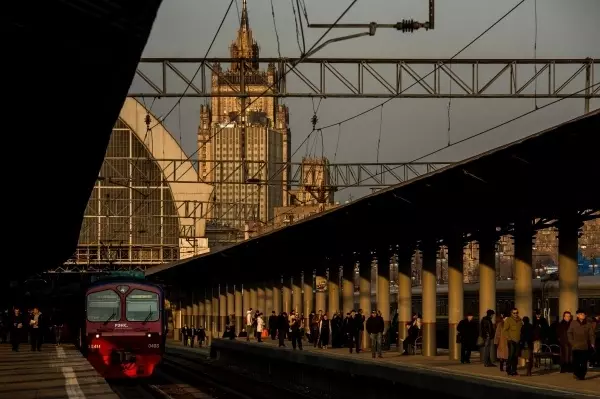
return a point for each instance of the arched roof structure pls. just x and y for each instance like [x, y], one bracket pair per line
[177, 169]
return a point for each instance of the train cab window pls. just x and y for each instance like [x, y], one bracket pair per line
[142, 306]
[103, 306]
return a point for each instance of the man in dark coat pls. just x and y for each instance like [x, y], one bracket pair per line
[467, 337]
[17, 326]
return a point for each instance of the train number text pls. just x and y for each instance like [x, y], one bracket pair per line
[154, 346]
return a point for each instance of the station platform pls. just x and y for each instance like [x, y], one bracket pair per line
[415, 369]
[55, 372]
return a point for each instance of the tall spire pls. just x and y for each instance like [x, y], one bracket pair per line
[244, 22]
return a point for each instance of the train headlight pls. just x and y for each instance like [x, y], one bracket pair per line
[97, 335]
[149, 335]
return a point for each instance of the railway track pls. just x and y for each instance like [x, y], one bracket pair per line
[160, 386]
[225, 382]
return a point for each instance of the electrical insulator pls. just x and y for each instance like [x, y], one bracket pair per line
[147, 120]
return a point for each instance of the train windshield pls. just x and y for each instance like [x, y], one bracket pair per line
[142, 306]
[103, 306]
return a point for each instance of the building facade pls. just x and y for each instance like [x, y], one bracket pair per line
[242, 152]
[145, 208]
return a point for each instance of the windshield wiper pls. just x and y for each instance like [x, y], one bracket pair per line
[148, 317]
[110, 318]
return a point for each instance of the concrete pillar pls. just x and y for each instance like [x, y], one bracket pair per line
[333, 289]
[195, 317]
[253, 297]
[364, 298]
[230, 303]
[348, 286]
[321, 290]
[269, 299]
[208, 310]
[277, 296]
[287, 294]
[487, 272]
[429, 284]
[308, 296]
[216, 313]
[404, 292]
[523, 267]
[262, 299]
[245, 301]
[568, 276]
[238, 308]
[455, 293]
[189, 315]
[222, 309]
[383, 285]
[202, 310]
[297, 293]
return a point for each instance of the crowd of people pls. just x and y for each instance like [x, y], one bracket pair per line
[501, 338]
[506, 338]
[19, 327]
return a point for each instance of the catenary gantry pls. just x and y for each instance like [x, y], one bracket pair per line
[502, 191]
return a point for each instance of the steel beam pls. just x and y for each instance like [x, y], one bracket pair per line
[340, 175]
[376, 78]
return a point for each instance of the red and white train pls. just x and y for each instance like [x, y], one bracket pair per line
[124, 332]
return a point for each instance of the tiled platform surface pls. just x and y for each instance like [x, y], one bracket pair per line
[55, 372]
[550, 381]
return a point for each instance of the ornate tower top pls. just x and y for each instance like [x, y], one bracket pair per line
[244, 45]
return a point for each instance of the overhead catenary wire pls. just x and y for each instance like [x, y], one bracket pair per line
[428, 74]
[302, 50]
[275, 28]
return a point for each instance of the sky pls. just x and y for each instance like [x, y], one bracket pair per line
[410, 128]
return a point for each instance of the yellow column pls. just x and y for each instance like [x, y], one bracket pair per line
[297, 293]
[195, 309]
[429, 284]
[261, 299]
[321, 290]
[277, 296]
[246, 305]
[523, 267]
[222, 309]
[348, 285]
[455, 293]
[364, 297]
[253, 297]
[208, 320]
[333, 289]
[216, 313]
[404, 292]
[269, 299]
[202, 309]
[189, 316]
[568, 276]
[308, 296]
[487, 272]
[383, 285]
[238, 308]
[287, 294]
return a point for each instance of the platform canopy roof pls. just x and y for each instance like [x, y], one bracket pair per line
[550, 174]
[83, 55]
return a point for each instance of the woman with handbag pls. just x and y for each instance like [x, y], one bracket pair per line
[526, 343]
[500, 342]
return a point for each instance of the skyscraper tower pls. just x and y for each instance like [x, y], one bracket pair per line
[245, 137]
